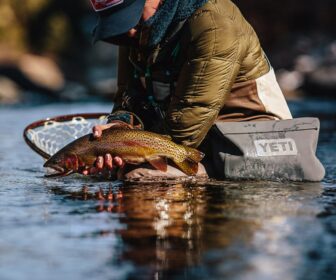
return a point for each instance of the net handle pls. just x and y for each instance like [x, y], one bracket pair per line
[60, 118]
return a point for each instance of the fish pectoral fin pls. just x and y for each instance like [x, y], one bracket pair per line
[159, 163]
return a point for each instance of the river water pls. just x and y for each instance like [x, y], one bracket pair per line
[80, 228]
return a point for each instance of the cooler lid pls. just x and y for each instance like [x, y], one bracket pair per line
[298, 124]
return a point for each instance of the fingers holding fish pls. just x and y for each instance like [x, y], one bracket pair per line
[132, 146]
[108, 161]
[118, 161]
[103, 165]
[99, 163]
[97, 130]
[93, 170]
[86, 172]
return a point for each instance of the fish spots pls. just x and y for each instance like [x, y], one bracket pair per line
[133, 146]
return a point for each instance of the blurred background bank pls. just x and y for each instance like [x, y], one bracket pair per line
[47, 55]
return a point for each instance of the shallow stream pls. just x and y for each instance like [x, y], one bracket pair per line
[79, 228]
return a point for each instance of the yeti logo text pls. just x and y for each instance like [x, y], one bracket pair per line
[275, 147]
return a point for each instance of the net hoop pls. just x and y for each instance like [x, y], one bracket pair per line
[86, 118]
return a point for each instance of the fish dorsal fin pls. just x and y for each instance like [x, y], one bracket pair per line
[159, 163]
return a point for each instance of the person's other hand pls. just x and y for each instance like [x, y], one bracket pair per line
[97, 130]
[105, 163]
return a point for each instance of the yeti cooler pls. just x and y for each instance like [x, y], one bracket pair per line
[271, 150]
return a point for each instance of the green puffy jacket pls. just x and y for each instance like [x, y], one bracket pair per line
[220, 73]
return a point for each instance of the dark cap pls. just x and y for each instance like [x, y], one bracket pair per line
[116, 17]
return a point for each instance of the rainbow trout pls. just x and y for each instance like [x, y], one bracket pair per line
[133, 146]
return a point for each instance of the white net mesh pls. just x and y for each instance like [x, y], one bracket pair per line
[53, 135]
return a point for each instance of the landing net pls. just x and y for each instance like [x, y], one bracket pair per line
[48, 136]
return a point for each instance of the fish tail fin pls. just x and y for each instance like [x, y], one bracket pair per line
[188, 166]
[194, 155]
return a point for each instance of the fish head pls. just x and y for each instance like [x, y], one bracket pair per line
[64, 163]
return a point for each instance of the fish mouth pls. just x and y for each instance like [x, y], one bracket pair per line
[54, 166]
[60, 174]
[60, 170]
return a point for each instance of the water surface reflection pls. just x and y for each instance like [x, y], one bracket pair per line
[79, 228]
[212, 230]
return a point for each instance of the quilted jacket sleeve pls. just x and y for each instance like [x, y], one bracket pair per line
[205, 80]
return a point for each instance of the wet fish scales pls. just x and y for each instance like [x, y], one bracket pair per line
[133, 146]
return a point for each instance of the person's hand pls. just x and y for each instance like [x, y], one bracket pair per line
[105, 163]
[97, 130]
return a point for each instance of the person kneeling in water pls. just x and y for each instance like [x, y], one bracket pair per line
[184, 67]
